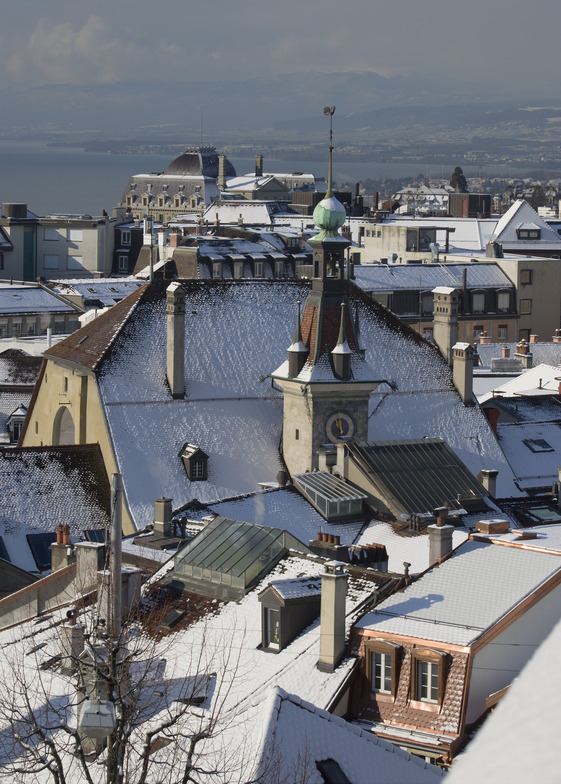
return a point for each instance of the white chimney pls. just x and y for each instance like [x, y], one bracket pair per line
[488, 478]
[440, 537]
[175, 310]
[332, 618]
[162, 516]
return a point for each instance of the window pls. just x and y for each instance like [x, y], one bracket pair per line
[198, 470]
[50, 234]
[65, 384]
[427, 333]
[526, 276]
[123, 264]
[427, 681]
[273, 627]
[258, 273]
[17, 428]
[125, 237]
[50, 261]
[428, 675]
[279, 269]
[381, 672]
[217, 269]
[478, 331]
[529, 234]
[427, 304]
[503, 300]
[238, 269]
[525, 306]
[1, 261]
[478, 303]
[382, 666]
[502, 332]
[75, 235]
[538, 445]
[74, 263]
[297, 435]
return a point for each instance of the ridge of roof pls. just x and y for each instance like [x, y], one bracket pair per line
[89, 345]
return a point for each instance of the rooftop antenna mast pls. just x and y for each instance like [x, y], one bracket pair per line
[329, 111]
[202, 123]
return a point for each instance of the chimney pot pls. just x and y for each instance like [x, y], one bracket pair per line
[66, 534]
[332, 619]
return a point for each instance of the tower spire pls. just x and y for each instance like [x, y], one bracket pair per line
[298, 351]
[329, 111]
[341, 354]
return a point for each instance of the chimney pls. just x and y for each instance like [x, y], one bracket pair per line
[90, 558]
[524, 355]
[221, 173]
[62, 552]
[557, 337]
[71, 643]
[462, 371]
[445, 320]
[440, 537]
[485, 338]
[332, 619]
[175, 311]
[505, 352]
[488, 478]
[162, 516]
[258, 165]
[534, 338]
[240, 219]
[174, 237]
[327, 457]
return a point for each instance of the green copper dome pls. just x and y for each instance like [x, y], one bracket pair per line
[329, 216]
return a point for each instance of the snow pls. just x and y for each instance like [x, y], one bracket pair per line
[466, 595]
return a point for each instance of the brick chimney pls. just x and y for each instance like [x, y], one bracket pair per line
[332, 618]
[524, 355]
[175, 313]
[534, 338]
[505, 352]
[557, 337]
[174, 237]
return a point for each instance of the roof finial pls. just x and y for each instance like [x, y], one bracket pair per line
[298, 331]
[329, 111]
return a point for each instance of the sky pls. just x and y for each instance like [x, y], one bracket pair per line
[496, 42]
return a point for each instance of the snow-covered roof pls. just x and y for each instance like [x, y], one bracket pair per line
[392, 277]
[107, 291]
[31, 299]
[522, 216]
[294, 737]
[528, 715]
[43, 486]
[466, 595]
[539, 381]
[221, 646]
[533, 450]
[287, 509]
[236, 333]
[548, 353]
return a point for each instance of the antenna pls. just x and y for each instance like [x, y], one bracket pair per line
[202, 123]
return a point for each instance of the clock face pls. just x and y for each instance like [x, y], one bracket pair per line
[339, 425]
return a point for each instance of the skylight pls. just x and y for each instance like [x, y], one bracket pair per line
[538, 445]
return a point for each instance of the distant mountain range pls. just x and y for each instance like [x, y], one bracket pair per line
[289, 105]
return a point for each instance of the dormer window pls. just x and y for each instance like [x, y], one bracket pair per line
[528, 233]
[288, 607]
[195, 462]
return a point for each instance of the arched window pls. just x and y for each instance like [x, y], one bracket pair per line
[63, 428]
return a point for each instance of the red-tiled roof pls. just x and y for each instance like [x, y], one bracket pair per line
[88, 345]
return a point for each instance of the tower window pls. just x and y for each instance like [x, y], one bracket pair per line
[297, 435]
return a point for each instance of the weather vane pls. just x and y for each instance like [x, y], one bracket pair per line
[329, 111]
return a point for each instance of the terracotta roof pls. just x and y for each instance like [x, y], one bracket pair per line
[88, 345]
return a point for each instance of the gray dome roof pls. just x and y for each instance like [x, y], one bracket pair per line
[199, 161]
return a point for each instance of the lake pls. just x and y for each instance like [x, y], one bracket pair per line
[61, 180]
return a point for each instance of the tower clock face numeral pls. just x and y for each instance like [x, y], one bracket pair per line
[339, 425]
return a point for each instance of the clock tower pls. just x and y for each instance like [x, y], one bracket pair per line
[326, 381]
